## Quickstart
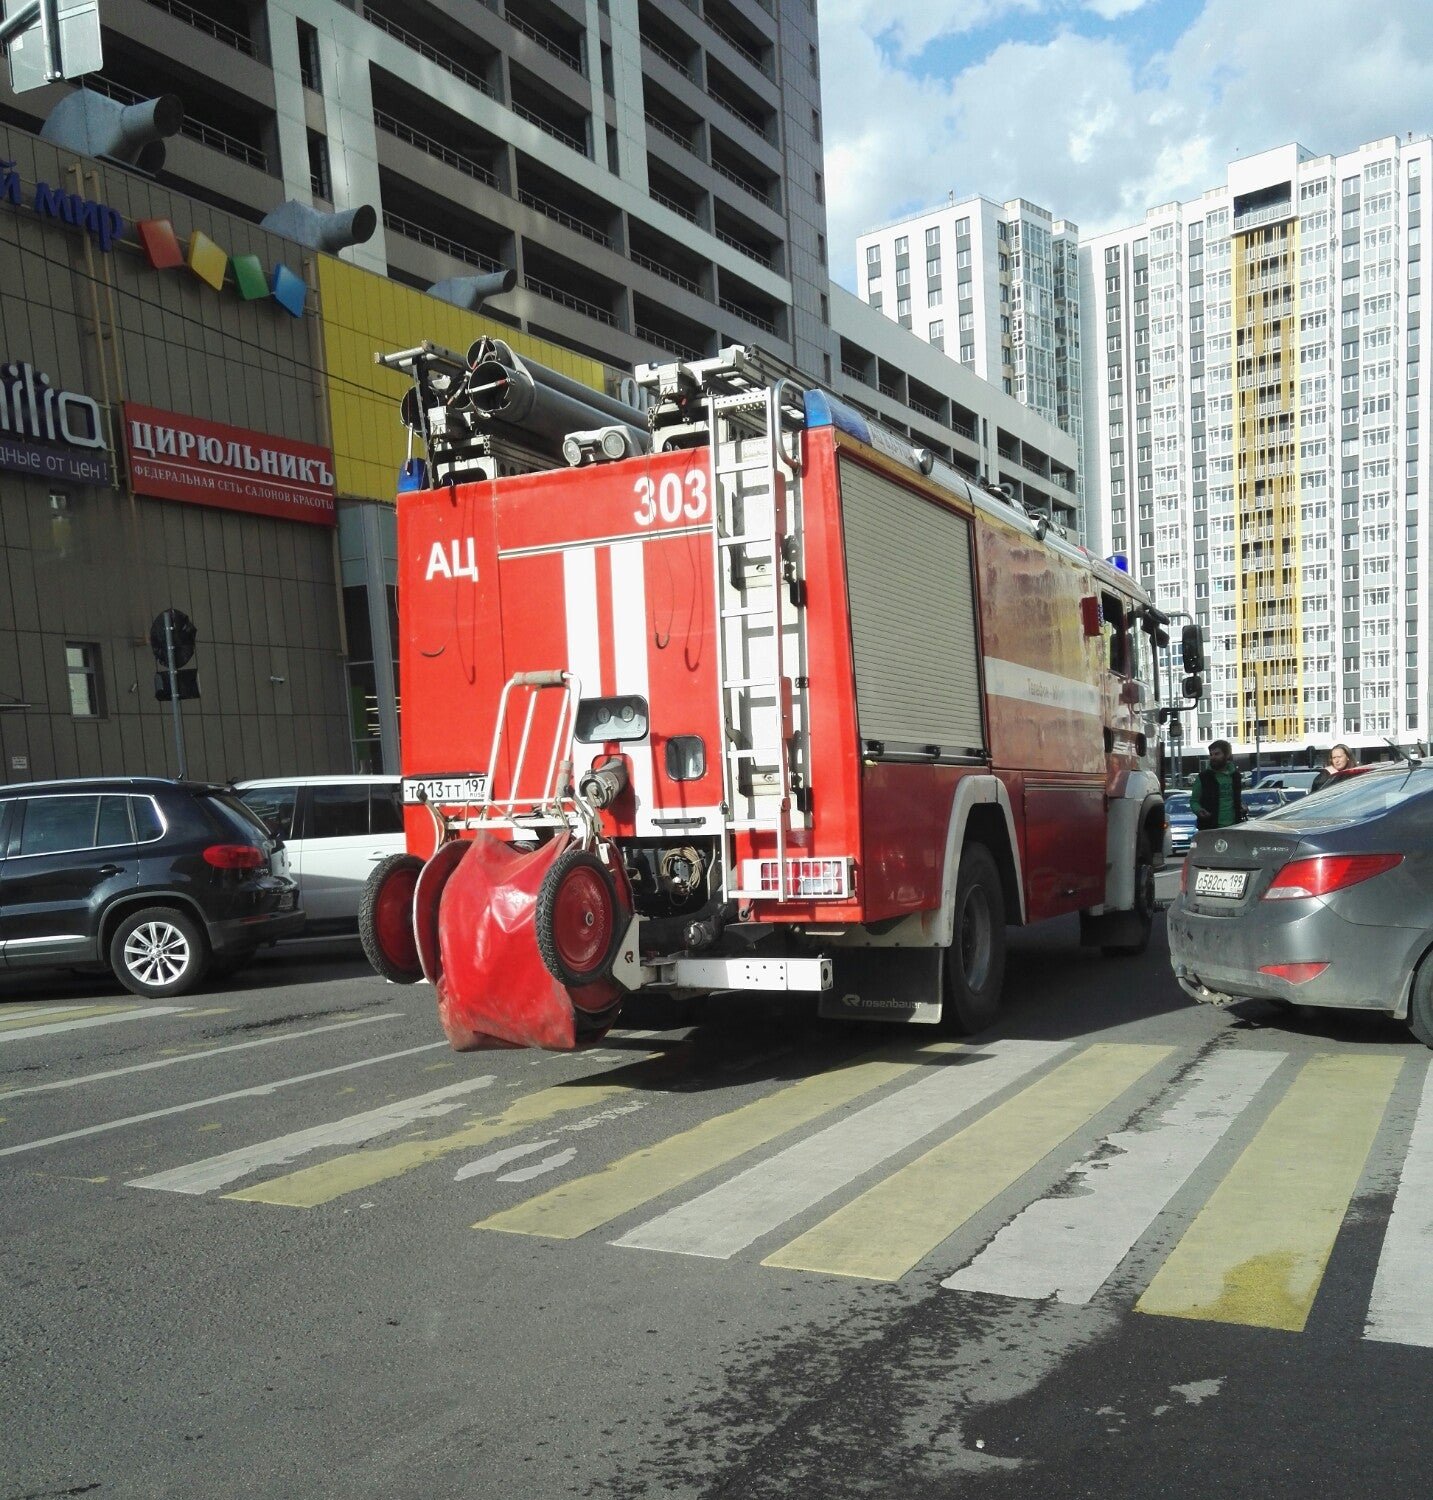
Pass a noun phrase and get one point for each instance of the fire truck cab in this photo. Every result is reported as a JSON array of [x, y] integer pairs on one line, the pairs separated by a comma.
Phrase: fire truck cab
[[752, 696]]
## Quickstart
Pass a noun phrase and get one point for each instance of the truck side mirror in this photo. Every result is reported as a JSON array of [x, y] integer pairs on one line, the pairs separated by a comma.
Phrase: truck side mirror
[[1191, 650]]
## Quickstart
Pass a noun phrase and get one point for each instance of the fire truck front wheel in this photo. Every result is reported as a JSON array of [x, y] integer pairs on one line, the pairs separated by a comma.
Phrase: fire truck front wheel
[[1141, 915], [975, 960]]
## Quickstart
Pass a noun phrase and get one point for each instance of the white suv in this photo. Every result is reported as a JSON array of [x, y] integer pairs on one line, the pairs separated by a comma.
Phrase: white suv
[[336, 829]]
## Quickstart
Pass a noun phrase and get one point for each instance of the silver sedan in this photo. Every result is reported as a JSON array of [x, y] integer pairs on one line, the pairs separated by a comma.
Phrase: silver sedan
[[1328, 901]]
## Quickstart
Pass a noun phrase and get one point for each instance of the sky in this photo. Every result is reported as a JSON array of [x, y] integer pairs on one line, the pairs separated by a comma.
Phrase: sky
[[1098, 109]]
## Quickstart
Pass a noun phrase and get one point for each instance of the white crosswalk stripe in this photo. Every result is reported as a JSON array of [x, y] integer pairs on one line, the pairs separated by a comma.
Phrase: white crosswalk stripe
[[218, 1171], [82, 1023], [1401, 1308], [1068, 1244], [729, 1217]]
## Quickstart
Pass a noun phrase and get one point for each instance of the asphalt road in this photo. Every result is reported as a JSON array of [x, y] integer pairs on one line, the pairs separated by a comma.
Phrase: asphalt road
[[279, 1241]]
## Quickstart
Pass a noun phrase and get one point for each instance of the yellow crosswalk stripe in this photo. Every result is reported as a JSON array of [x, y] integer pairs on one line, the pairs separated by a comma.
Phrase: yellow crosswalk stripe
[[890, 1228], [574, 1208], [1257, 1250], [68, 1013], [360, 1169]]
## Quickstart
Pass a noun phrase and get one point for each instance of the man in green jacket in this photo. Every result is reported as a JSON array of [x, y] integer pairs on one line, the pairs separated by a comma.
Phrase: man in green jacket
[[1217, 800]]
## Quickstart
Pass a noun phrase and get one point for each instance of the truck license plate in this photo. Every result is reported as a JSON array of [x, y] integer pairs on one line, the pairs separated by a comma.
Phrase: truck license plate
[[446, 791], [1226, 883]]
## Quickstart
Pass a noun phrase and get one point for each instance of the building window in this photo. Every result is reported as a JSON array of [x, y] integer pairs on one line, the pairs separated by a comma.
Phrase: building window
[[962, 226], [937, 333], [873, 259], [932, 235], [82, 662], [309, 73], [320, 182]]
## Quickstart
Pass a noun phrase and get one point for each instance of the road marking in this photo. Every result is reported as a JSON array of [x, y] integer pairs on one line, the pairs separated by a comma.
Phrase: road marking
[[1257, 1250], [312, 1186], [574, 1208], [79, 1020], [732, 1215], [1401, 1308], [169, 1062], [217, 1171], [1067, 1245], [257, 1092], [886, 1231]]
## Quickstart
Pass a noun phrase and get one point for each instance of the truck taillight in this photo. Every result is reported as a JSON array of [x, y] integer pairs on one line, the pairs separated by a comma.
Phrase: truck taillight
[[234, 857], [1323, 874], [826, 879]]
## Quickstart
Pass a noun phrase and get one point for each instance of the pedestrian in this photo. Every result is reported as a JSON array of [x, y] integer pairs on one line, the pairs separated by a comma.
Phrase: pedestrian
[[1340, 759], [1217, 800]]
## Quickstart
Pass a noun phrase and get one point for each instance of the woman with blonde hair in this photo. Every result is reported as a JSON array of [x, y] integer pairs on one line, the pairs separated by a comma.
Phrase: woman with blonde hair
[[1340, 759]]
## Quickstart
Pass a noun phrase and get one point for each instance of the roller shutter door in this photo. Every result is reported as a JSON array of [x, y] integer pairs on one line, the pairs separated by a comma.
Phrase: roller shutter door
[[909, 570]]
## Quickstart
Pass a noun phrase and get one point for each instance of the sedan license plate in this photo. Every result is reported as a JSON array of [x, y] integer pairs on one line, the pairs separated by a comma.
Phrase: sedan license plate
[[446, 791], [1227, 883]]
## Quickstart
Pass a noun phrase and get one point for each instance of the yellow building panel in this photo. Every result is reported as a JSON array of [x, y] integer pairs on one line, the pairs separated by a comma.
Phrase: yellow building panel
[[363, 313]]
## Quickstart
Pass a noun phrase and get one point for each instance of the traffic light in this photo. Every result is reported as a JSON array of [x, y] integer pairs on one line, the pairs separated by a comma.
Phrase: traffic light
[[188, 681], [1311, 756]]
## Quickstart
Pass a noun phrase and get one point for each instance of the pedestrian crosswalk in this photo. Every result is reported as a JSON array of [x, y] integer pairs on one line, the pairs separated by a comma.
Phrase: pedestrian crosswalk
[[1208, 1187]]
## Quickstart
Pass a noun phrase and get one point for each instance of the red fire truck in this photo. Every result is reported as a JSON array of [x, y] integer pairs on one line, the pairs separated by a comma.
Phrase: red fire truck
[[753, 696]]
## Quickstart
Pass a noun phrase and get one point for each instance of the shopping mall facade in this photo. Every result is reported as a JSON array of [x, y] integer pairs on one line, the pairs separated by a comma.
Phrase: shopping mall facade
[[191, 419]]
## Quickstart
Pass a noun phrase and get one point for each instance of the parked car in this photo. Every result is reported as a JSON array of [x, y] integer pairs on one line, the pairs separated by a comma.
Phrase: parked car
[[161, 881], [1258, 801], [1293, 780], [336, 828], [1328, 901], [1180, 817]]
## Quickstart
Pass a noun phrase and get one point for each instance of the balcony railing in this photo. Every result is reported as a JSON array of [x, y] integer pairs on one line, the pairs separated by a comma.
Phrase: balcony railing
[[679, 209], [668, 343], [764, 256], [431, 147], [577, 304], [855, 372], [561, 216], [926, 411], [195, 130], [666, 272], [755, 58], [548, 44], [423, 49], [409, 230], [737, 310], [756, 191], [671, 132], [200, 22], [671, 60], [550, 128], [749, 120]]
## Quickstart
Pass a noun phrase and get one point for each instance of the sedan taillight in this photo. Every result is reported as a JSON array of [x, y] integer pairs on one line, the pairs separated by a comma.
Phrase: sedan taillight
[[234, 857], [1323, 874]]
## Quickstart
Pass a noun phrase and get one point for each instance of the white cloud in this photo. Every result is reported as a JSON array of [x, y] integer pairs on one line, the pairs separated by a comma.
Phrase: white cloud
[[1089, 130], [1112, 10]]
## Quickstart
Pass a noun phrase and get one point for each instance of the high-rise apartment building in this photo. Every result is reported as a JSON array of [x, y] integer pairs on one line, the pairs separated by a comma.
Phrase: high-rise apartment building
[[651, 170], [1256, 406], [997, 287]]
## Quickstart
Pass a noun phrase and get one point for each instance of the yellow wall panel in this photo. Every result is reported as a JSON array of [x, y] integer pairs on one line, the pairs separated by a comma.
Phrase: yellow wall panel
[[363, 313]]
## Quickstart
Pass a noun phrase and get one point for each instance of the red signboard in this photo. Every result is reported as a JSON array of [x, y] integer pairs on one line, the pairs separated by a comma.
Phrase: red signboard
[[174, 457]]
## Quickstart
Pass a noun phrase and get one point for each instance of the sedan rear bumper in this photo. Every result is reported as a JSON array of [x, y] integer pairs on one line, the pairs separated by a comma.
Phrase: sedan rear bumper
[[1218, 960]]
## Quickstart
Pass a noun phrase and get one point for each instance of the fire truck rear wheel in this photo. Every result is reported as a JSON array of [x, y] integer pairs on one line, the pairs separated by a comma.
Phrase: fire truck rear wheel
[[578, 922], [385, 919], [1144, 903], [975, 960]]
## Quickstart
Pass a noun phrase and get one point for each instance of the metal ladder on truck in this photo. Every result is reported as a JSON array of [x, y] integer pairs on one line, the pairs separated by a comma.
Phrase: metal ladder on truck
[[754, 422]]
